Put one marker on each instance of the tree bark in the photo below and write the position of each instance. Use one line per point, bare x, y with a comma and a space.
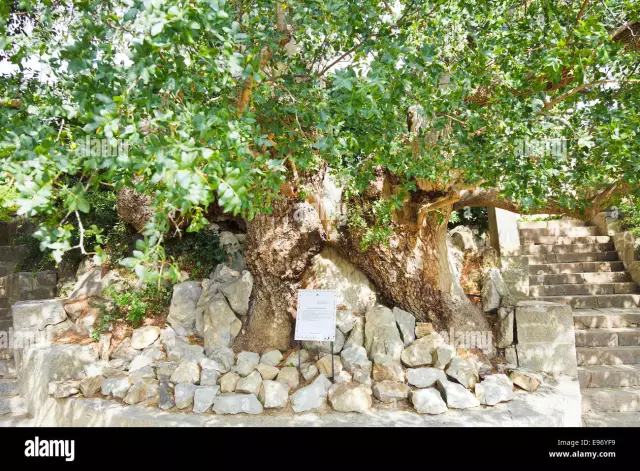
279, 249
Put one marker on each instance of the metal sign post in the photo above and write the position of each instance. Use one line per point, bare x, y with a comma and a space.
316, 320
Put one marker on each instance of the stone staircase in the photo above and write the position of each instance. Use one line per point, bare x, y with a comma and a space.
570, 263
13, 409
15, 287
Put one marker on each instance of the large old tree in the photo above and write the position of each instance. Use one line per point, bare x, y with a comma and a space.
417, 107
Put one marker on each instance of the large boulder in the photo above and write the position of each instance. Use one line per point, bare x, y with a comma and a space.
144, 336
182, 311
456, 395
381, 336
329, 270
464, 371
141, 390
221, 326
274, 394
428, 401
424, 377
494, 389
493, 289
390, 391
407, 325
238, 293
422, 351
237, 404
464, 239
311, 397
350, 397
356, 335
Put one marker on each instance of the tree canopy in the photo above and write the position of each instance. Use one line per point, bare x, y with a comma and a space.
216, 102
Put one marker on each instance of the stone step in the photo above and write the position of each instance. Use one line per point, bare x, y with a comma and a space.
9, 387
621, 301
620, 336
564, 240
596, 319
575, 267
566, 249
572, 231
551, 223
580, 278
609, 376
608, 355
584, 289
7, 369
611, 400
12, 253
542, 259
12, 405
611, 419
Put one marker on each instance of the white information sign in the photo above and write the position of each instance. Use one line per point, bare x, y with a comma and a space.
316, 318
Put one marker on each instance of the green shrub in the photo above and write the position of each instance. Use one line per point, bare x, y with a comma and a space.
132, 306
197, 252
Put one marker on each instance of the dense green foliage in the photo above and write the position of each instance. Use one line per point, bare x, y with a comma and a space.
214, 109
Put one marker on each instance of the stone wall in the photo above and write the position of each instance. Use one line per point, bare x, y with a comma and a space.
546, 338
626, 244
505, 238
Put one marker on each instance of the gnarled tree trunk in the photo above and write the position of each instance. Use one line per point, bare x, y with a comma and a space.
278, 250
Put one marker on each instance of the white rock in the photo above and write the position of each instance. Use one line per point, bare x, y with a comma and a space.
224, 356
183, 306
505, 327
228, 382
274, 394
267, 372
209, 377
140, 362
184, 395
350, 397
292, 359
310, 371
386, 368
345, 320
325, 368
221, 326
141, 390
311, 397
289, 376
343, 377
91, 385
456, 395
406, 324
236, 404
166, 368
186, 372
208, 364
251, 384
247, 362
224, 274
165, 394
238, 293
203, 398
464, 371
421, 352
154, 353
428, 401
144, 336
494, 389
62, 389
271, 358
116, 387
356, 336
354, 357
390, 391
381, 336
424, 377
183, 351
526, 380
493, 289
144, 372
443, 355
